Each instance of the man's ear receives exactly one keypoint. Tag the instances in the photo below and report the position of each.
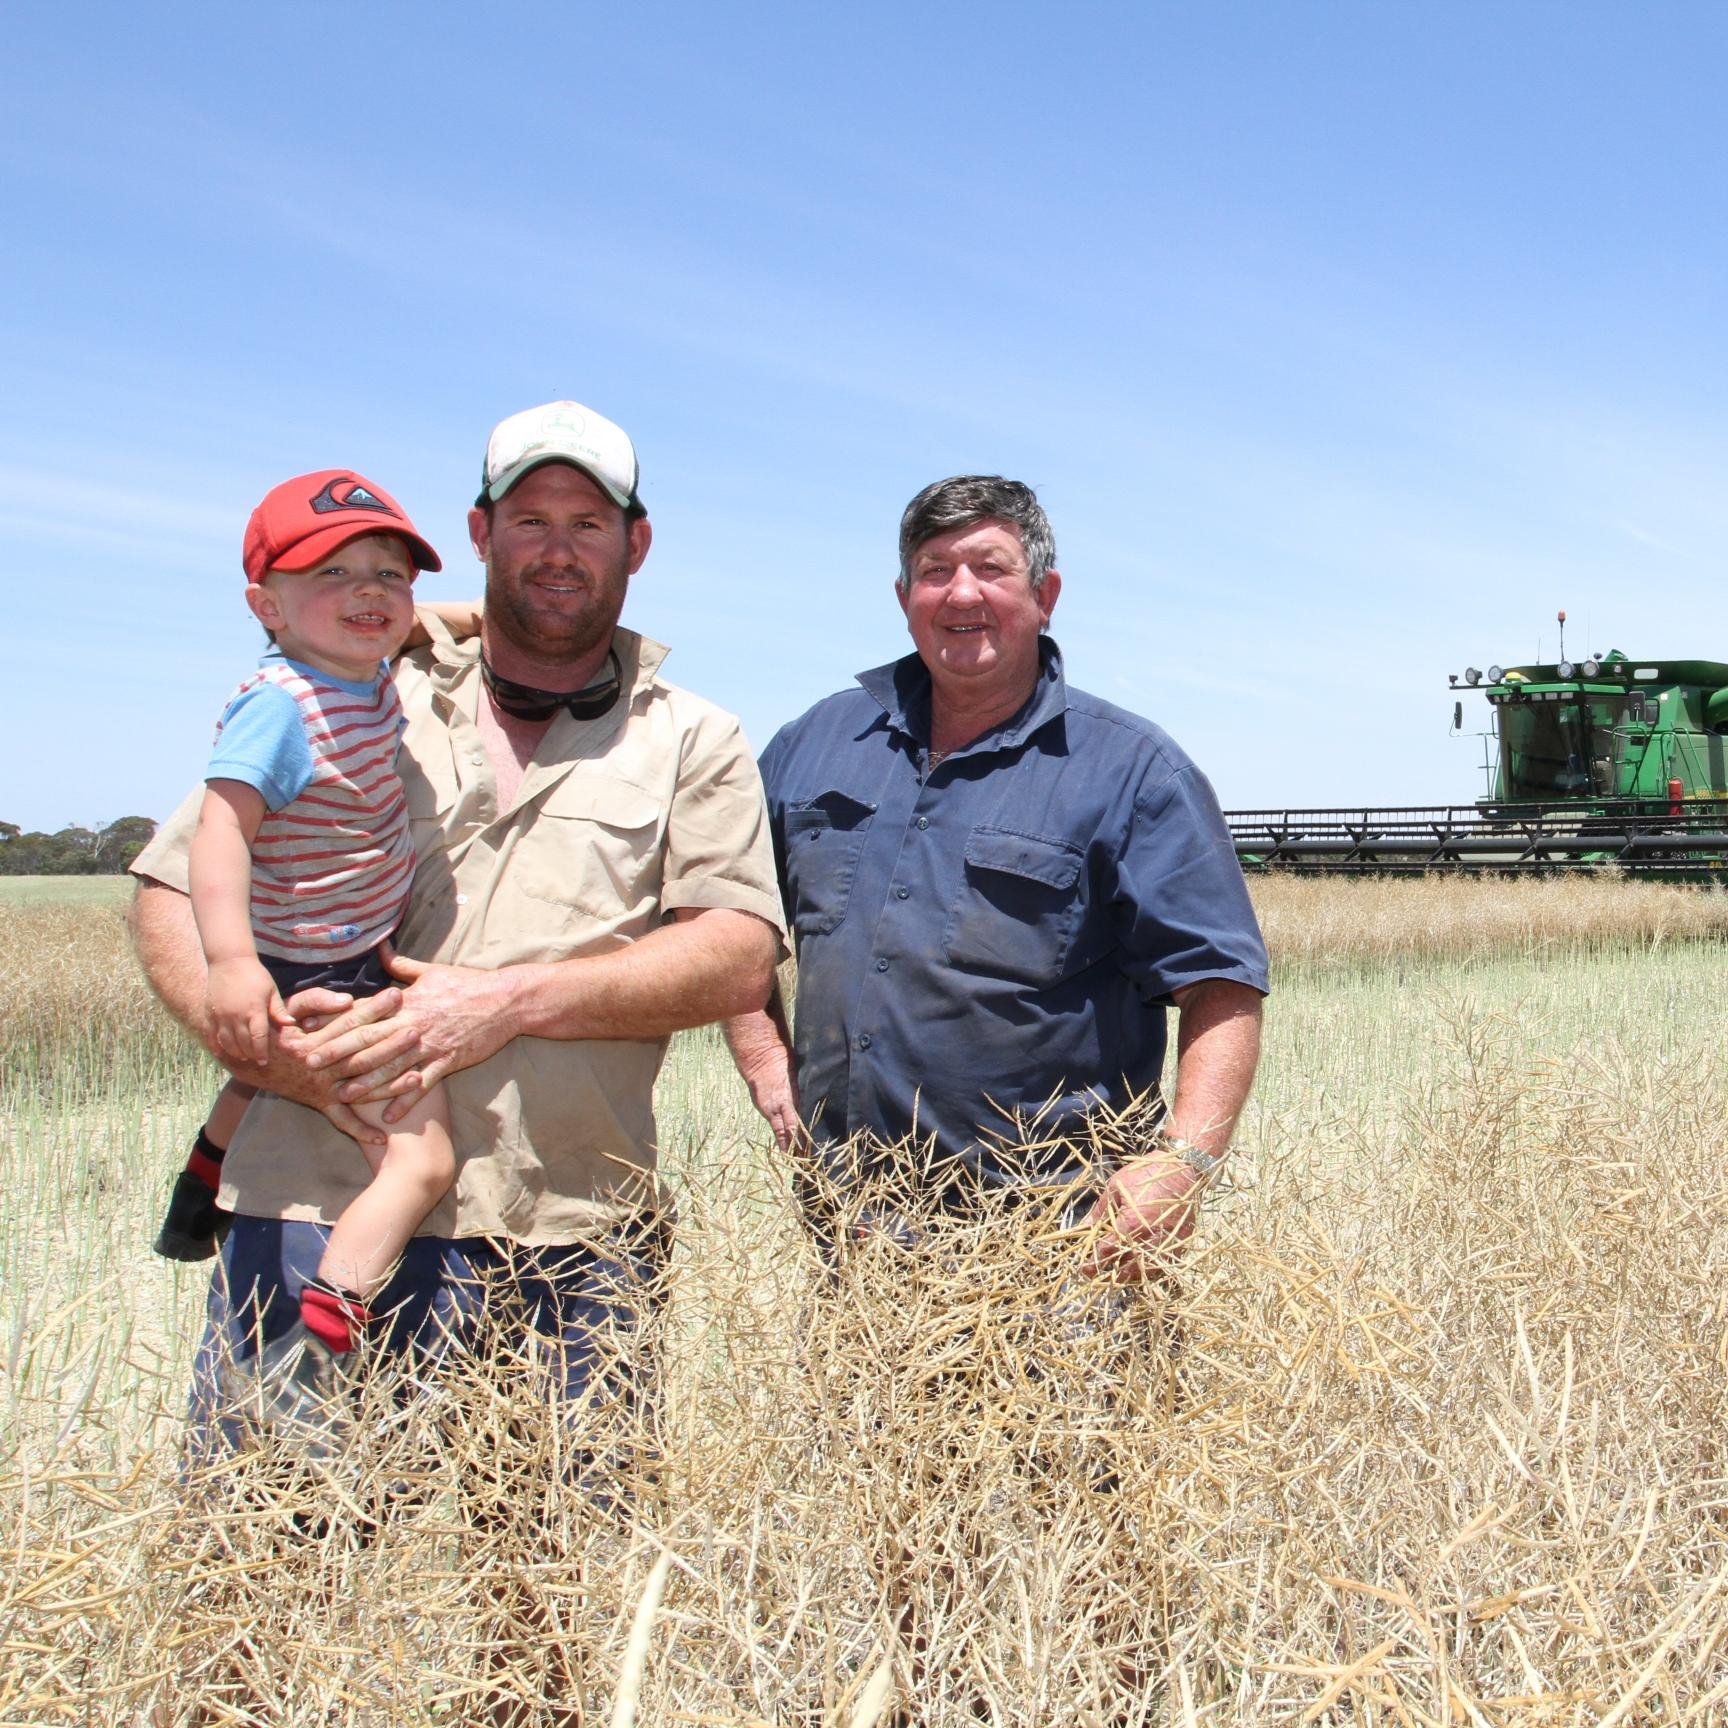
(266, 608)
(479, 533)
(639, 536)
(1049, 592)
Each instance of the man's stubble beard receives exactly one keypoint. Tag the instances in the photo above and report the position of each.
(573, 636)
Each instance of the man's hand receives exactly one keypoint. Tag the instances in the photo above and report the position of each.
(775, 1094)
(167, 941)
(761, 1047)
(1147, 1211)
(243, 1005)
(449, 1017)
(1148, 1208)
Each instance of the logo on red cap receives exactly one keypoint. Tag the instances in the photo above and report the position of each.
(355, 498)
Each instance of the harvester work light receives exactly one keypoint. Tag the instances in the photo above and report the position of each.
(1472, 676)
(1592, 667)
(1495, 674)
(1566, 669)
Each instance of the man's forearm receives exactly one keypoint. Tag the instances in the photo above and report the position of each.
(166, 939)
(707, 965)
(1217, 1050)
(760, 1035)
(761, 1046)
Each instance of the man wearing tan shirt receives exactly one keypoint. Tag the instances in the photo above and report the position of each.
(594, 873)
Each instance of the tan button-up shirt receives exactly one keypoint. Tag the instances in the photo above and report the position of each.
(618, 822)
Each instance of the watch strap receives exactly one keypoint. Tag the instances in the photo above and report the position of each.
(1204, 1164)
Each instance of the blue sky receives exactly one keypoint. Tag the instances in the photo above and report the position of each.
(1343, 342)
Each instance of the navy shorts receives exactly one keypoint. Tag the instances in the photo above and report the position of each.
(358, 975)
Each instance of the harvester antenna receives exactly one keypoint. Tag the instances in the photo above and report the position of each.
(1562, 622)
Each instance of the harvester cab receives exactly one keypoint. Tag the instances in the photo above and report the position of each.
(1605, 730)
(1601, 762)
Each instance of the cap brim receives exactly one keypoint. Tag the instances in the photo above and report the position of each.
(327, 539)
(511, 476)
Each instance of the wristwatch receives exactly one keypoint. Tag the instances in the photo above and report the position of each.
(1204, 1164)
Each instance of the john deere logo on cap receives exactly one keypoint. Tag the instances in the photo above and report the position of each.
(354, 497)
(562, 431)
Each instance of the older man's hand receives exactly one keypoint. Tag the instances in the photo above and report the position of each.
(775, 1094)
(761, 1047)
(1146, 1213)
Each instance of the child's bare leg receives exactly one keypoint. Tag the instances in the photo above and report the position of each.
(223, 1122)
(411, 1174)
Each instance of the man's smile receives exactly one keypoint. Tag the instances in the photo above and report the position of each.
(556, 584)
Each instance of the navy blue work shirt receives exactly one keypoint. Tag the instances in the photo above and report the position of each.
(1004, 933)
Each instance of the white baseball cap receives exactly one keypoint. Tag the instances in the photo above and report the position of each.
(561, 432)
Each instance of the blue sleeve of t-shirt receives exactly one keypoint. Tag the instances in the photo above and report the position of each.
(262, 743)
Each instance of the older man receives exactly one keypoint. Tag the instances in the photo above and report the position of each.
(594, 872)
(997, 884)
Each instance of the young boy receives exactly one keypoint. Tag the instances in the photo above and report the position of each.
(301, 864)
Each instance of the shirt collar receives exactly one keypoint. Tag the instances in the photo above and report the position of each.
(903, 689)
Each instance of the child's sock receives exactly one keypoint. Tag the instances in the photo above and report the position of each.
(205, 1160)
(340, 1317)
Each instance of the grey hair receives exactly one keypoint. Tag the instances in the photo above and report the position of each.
(967, 499)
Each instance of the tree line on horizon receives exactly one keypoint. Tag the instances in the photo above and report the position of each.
(103, 850)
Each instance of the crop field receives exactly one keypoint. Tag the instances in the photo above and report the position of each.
(1430, 1426)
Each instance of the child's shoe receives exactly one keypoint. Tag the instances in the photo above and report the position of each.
(194, 1224)
(296, 1389)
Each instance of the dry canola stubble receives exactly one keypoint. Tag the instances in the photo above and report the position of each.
(1441, 1443)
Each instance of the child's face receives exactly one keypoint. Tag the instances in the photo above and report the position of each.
(347, 612)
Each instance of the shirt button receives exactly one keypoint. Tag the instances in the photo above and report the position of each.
(461, 899)
(901, 893)
(477, 758)
(863, 1040)
(881, 965)
(923, 821)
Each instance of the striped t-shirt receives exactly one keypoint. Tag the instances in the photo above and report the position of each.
(332, 858)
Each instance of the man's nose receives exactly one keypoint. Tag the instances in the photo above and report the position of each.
(964, 589)
(559, 546)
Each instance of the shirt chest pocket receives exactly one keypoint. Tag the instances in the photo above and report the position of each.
(823, 841)
(1017, 909)
(594, 846)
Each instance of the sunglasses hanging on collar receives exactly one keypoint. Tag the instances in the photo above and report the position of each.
(524, 702)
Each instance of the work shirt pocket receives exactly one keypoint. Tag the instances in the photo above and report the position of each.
(1018, 907)
(594, 847)
(823, 841)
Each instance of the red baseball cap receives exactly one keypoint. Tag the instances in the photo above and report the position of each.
(308, 517)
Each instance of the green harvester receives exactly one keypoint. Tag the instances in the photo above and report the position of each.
(1601, 763)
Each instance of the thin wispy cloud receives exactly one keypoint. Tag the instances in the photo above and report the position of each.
(45, 505)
